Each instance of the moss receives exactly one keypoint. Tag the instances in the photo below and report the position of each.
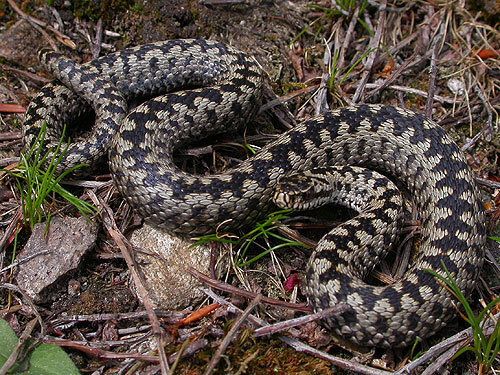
(248, 355)
(95, 9)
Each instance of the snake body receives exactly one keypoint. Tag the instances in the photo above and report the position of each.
(396, 142)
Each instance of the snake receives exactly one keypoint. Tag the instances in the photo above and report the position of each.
(154, 99)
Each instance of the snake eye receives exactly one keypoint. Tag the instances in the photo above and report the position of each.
(308, 195)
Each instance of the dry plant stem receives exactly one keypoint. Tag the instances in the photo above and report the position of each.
(410, 90)
(125, 248)
(341, 362)
(347, 40)
(169, 317)
(188, 350)
(8, 161)
(322, 93)
(472, 142)
(34, 23)
(11, 361)
(391, 9)
(231, 335)
(27, 259)
(222, 2)
(100, 353)
(337, 7)
(232, 289)
(96, 46)
(374, 43)
(64, 39)
(395, 49)
(489, 123)
(10, 136)
(273, 328)
(88, 184)
(493, 261)
(296, 236)
(437, 44)
(57, 16)
(392, 78)
(27, 300)
(13, 226)
(233, 309)
(11, 108)
(456, 341)
(31, 76)
(286, 98)
(444, 358)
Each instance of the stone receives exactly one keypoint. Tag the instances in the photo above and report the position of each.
(67, 241)
(163, 260)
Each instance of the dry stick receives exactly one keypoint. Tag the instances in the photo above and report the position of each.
(471, 142)
(10, 136)
(488, 183)
(444, 358)
(88, 184)
(341, 362)
(12, 227)
(391, 79)
(170, 317)
(436, 46)
(489, 123)
(57, 16)
(322, 93)
(222, 2)
(374, 44)
(233, 309)
(347, 40)
(410, 90)
(395, 49)
(232, 289)
(460, 337)
(34, 24)
(64, 39)
(231, 334)
(27, 259)
(391, 9)
(96, 46)
(273, 328)
(125, 248)
(286, 98)
(190, 349)
(100, 353)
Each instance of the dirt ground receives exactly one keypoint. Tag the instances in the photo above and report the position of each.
(315, 55)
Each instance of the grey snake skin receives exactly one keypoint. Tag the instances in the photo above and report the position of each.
(223, 92)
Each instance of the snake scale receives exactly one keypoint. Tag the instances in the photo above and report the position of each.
(221, 90)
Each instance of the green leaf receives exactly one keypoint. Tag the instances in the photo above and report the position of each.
(44, 359)
(8, 341)
(49, 359)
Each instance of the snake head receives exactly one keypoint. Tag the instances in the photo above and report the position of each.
(302, 191)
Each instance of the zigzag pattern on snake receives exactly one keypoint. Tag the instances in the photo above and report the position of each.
(399, 143)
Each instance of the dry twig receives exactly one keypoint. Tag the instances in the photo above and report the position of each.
(231, 334)
(126, 249)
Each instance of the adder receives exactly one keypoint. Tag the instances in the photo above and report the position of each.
(220, 89)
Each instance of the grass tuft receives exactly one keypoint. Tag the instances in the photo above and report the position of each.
(485, 349)
(36, 180)
(263, 229)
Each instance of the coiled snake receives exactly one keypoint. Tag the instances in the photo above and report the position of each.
(399, 143)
